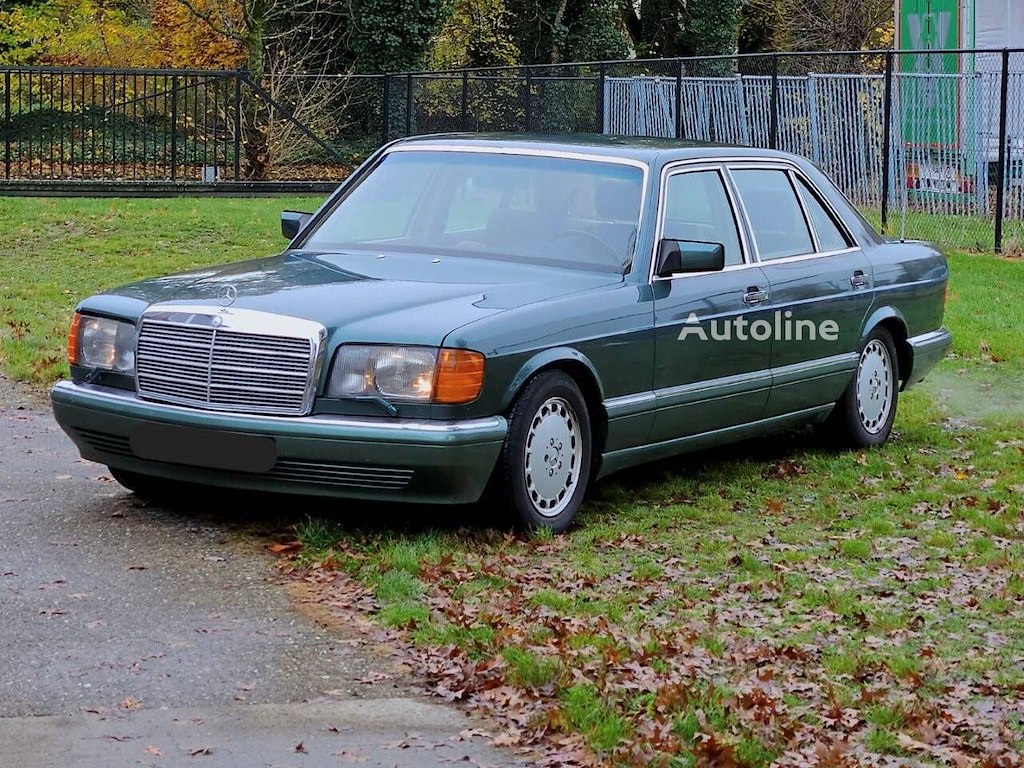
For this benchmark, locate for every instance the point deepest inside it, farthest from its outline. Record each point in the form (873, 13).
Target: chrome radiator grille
(203, 360)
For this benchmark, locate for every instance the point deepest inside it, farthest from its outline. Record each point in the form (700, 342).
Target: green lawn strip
(975, 233)
(57, 251)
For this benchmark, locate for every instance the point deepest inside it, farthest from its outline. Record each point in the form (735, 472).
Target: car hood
(394, 297)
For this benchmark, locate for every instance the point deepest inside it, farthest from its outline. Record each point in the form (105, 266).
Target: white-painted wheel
(876, 382)
(553, 455)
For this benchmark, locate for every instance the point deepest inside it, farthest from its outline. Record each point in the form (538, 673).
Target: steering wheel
(587, 242)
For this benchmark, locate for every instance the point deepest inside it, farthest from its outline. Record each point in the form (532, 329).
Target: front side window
(776, 219)
(697, 208)
(564, 212)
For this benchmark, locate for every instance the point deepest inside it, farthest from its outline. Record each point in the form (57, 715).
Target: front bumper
(927, 351)
(386, 459)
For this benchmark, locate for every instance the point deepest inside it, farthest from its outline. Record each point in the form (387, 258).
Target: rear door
(709, 374)
(819, 279)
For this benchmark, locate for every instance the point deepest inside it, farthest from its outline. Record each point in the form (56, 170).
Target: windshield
(538, 209)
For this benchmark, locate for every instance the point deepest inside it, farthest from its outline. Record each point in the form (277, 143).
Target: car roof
(642, 148)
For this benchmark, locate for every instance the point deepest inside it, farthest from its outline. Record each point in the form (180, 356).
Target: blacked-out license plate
(207, 448)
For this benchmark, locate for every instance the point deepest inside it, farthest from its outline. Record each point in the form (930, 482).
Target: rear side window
(830, 236)
(775, 216)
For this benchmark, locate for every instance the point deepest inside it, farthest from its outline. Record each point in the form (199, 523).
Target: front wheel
(156, 490)
(864, 415)
(545, 462)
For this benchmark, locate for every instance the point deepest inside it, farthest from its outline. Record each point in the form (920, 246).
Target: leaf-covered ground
(768, 603)
(789, 606)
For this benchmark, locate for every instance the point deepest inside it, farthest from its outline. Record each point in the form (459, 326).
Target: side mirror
(676, 256)
(293, 222)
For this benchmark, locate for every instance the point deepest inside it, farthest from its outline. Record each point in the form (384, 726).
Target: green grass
(57, 251)
(703, 610)
(975, 233)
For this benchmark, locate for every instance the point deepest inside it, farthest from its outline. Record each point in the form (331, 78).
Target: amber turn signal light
(459, 377)
(76, 320)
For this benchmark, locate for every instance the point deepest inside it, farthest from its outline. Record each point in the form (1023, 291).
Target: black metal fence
(928, 143)
(132, 127)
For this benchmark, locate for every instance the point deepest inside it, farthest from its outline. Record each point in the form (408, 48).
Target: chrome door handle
(754, 296)
(859, 279)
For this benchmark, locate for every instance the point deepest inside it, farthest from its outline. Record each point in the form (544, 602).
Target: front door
(711, 372)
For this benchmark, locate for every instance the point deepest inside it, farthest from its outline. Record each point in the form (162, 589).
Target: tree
(389, 36)
(70, 32)
(670, 28)
(25, 29)
(183, 40)
(477, 33)
(816, 25)
(553, 31)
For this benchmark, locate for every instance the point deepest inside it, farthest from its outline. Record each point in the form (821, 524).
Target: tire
(864, 415)
(153, 489)
(544, 466)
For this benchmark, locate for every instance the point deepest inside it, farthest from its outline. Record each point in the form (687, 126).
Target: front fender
(545, 359)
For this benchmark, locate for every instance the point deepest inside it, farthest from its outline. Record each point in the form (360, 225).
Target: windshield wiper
(630, 249)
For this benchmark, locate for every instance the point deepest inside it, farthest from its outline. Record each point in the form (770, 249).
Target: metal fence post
(174, 127)
(408, 104)
(465, 100)
(773, 113)
(679, 99)
(886, 139)
(385, 128)
(238, 126)
(1004, 82)
(599, 99)
(528, 101)
(8, 125)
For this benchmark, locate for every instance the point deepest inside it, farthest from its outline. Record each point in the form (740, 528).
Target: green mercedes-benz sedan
(512, 314)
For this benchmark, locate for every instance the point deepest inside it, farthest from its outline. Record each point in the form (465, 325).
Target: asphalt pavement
(136, 635)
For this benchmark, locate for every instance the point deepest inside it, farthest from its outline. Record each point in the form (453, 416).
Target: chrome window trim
(792, 179)
(829, 211)
(530, 152)
(696, 165)
(809, 256)
(786, 168)
(793, 169)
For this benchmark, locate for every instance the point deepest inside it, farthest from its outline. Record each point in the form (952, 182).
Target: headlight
(99, 342)
(414, 374)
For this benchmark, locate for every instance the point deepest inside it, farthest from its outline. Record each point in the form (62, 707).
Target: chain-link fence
(927, 143)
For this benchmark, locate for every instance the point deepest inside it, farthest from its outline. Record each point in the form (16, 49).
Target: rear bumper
(927, 351)
(382, 459)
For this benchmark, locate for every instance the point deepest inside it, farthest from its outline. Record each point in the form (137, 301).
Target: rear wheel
(864, 415)
(545, 462)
